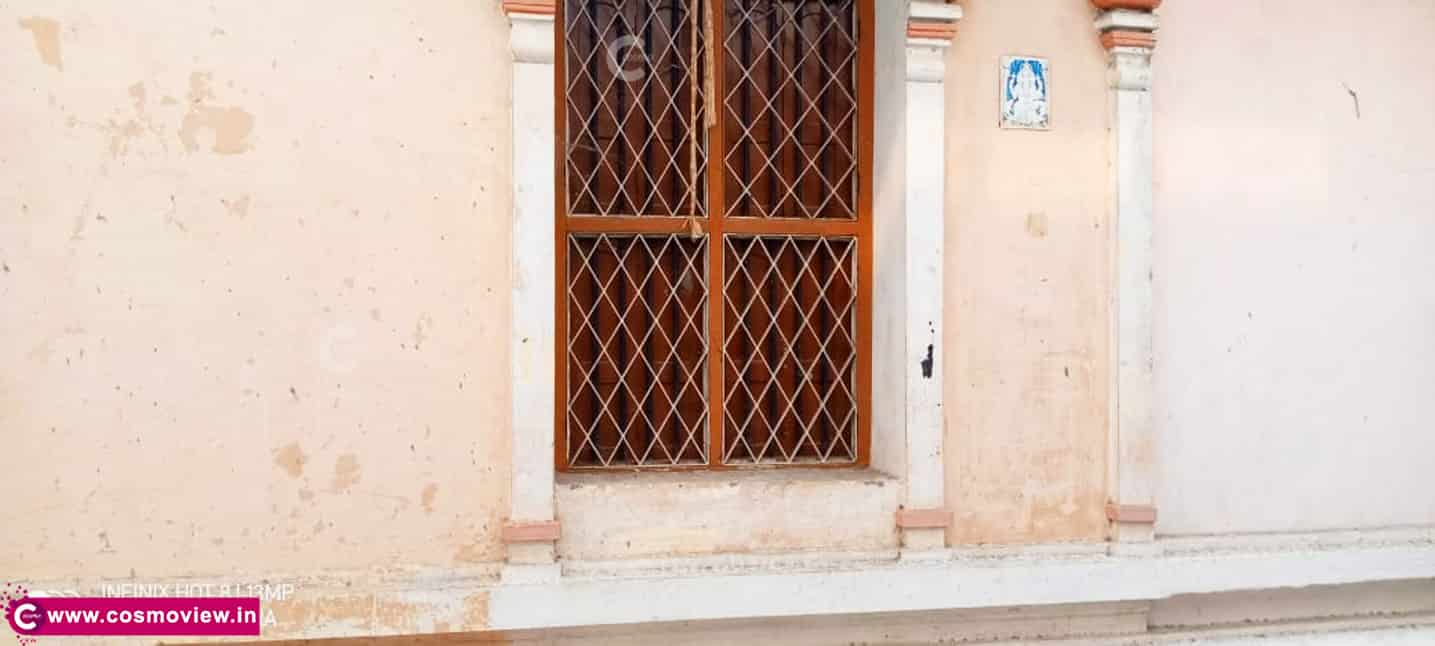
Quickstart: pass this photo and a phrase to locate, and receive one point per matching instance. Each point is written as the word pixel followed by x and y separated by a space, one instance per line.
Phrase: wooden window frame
pixel 715 226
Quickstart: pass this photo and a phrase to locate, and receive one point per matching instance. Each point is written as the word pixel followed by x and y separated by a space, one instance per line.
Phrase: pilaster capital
pixel 1127 30
pixel 932 23
pixel 931 26
pixel 531 30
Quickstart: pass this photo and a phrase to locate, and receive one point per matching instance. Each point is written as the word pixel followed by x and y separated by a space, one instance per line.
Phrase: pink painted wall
pixel 253 308
pixel 218 206
pixel 1295 223
pixel 1026 301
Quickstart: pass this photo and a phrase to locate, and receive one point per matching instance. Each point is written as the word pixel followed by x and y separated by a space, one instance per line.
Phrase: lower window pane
pixel 790 360
pixel 637 351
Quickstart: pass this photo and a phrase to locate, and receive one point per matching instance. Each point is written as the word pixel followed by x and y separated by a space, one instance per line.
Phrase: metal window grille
pixel 714 317
pixel 791 107
pixel 634 93
pixel 790 357
pixel 637 350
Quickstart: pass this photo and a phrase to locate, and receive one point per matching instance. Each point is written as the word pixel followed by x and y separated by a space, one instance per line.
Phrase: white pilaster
pixel 531 553
pixel 1127 36
pixel 930 28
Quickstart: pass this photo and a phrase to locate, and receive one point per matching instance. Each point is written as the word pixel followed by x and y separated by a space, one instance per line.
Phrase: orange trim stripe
pixel 539 532
pixel 1130 513
pixel 929 29
pixel 1137 5
pixel 923 518
pixel 533 7
pixel 1123 38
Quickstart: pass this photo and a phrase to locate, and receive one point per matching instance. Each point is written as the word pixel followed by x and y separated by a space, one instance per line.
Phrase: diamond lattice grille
pixel 637 350
pixel 790 356
pixel 735 337
pixel 631 77
pixel 791 108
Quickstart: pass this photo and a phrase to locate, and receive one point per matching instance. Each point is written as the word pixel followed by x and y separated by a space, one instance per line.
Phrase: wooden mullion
pixel 717 141
pixel 866 68
pixel 560 239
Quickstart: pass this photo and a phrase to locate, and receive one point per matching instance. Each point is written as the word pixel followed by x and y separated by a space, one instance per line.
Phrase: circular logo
pixel 25 616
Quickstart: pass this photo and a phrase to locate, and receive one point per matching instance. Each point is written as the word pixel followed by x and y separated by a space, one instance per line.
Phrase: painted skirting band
pixel 539 532
pixel 536 7
pixel 1130 513
pixel 923 518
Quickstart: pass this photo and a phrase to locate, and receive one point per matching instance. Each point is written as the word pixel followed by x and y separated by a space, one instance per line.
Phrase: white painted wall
pixel 1295 265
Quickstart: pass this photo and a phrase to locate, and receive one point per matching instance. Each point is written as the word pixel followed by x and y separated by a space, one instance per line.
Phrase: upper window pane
pixel 634 108
pixel 790 100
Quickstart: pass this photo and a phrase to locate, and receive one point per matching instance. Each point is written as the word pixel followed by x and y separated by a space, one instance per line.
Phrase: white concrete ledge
pixel 409 601
pixel 965 580
pixel 1377 631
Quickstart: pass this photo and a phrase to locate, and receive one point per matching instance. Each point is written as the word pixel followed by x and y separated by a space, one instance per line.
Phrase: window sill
pixel 644 514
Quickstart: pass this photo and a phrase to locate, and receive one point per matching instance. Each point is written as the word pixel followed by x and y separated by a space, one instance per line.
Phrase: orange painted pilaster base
pixel 540 532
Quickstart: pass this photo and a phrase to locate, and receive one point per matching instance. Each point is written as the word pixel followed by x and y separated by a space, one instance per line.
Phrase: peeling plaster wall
pixel 254 288
pixel 1295 250
pixel 1027 281
pixel 254 291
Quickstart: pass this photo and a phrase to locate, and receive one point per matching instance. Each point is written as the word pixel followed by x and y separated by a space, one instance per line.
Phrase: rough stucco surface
pixel 1294 229
pixel 624 516
pixel 1027 282
pixel 254 297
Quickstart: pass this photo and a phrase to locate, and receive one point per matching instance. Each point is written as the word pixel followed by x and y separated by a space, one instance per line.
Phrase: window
pixel 714 233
